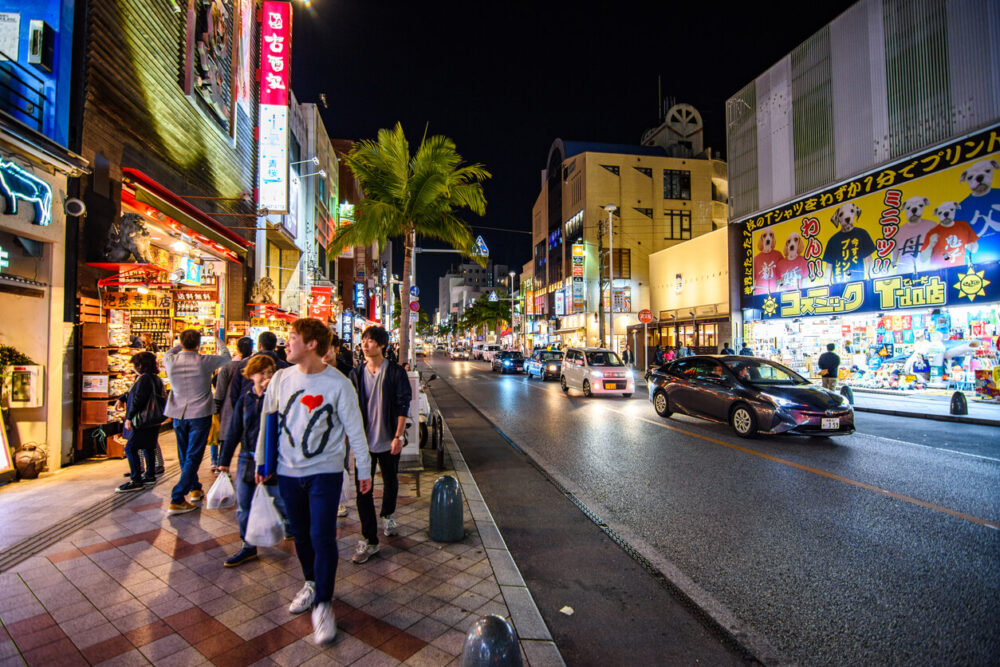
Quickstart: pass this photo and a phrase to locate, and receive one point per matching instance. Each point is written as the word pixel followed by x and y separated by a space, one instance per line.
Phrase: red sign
pixel 275 52
pixel 414 306
pixel 645 316
pixel 320 303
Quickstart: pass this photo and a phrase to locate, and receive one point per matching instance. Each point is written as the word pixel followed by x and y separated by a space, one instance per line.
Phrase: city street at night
pixel 863 549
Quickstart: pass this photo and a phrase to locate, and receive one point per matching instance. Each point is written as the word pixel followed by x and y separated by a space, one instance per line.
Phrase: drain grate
pixel 29 546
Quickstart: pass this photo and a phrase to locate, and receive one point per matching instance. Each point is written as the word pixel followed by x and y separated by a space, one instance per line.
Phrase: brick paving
pixel 140 587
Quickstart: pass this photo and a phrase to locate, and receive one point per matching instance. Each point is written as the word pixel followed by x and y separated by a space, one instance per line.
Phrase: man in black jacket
pixel 239 385
pixel 384 396
pixel 829 365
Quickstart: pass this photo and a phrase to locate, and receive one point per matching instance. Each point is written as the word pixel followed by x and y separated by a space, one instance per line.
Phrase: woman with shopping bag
pixel 243 429
pixel 144 404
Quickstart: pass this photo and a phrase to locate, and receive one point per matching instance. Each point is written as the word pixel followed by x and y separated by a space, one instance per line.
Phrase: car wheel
pixel 562 383
pixel 661 404
pixel 586 388
pixel 423 435
pixel 743 420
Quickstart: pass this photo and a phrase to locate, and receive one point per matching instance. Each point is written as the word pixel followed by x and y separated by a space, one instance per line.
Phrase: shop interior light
pixel 179 246
pixel 143 289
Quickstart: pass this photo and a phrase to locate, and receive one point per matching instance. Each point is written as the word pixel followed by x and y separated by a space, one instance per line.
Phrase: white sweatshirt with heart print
pixel 315 412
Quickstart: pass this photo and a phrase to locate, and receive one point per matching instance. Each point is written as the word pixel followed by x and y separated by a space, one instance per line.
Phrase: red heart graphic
pixel 312 402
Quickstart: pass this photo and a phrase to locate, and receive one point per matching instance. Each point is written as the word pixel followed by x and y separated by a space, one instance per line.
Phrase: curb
pixel 959 419
pixel 532 632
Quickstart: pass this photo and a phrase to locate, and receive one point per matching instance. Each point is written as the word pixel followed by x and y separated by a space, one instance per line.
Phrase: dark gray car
pixel 749 394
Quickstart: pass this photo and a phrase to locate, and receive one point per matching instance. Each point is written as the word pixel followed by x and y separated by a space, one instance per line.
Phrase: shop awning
pixel 148 191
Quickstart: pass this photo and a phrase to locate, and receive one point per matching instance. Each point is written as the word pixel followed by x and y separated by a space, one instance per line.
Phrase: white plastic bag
pixel 264 527
pixel 221 495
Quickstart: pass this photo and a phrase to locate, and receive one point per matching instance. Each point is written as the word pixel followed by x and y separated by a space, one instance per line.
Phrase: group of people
pixel 326 406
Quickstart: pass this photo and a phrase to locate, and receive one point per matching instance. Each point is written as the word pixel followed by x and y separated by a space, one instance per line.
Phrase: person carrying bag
pixel 144 405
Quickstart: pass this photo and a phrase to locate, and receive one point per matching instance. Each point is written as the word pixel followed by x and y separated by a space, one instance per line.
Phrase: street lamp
pixel 611 208
pixel 511 274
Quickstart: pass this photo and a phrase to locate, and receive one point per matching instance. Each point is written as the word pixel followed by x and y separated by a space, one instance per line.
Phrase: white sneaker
pixel 324 624
pixel 303 599
pixel 389 527
pixel 364 552
pixel 342 510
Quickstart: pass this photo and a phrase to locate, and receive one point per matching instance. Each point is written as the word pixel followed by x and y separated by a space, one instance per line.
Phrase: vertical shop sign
pixel 360 298
pixel 560 304
pixel 346 218
pixel 275 66
pixel 579 301
pixel 244 66
pixel 320 302
pixel 347 328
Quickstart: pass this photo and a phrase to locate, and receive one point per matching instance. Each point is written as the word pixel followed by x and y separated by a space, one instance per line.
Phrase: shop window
pixel 676 184
pixel 677 225
pixel 645 171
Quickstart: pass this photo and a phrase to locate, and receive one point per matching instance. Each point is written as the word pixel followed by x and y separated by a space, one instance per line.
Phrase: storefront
pixel 899 269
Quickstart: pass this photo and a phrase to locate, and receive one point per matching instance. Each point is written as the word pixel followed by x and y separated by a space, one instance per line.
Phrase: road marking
pixel 792 464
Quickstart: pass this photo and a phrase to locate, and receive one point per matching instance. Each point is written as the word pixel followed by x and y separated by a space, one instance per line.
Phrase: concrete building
pixel 663 194
pixel 464 283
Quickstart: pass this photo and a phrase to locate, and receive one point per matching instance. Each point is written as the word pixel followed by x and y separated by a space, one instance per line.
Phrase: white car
pixel 595 370
pixel 489 350
pixel 477 351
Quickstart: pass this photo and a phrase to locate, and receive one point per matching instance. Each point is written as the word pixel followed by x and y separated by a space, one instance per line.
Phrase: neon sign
pixel 18 184
pixel 275 66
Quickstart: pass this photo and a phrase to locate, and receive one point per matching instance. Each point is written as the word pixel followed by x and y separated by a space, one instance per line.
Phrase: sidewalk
pixel 926 407
pixel 135 586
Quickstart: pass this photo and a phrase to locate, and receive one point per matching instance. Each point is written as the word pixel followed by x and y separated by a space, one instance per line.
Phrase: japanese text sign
pixel 275 70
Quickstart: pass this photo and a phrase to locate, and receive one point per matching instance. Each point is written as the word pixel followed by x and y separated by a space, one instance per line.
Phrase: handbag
pixel 152 413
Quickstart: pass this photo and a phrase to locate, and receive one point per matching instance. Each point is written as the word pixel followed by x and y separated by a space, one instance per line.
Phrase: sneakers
pixel 304 599
pixel 389 526
pixel 148 481
pixel 181 507
pixel 364 552
pixel 130 486
pixel 342 510
pixel 197 496
pixel 247 553
pixel 324 625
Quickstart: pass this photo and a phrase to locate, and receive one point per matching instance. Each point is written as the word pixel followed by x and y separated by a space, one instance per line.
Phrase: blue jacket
pixel 396 394
pixel 243 427
pixel 239 385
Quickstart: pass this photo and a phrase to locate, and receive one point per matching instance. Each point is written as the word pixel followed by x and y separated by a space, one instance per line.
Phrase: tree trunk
pixel 404 299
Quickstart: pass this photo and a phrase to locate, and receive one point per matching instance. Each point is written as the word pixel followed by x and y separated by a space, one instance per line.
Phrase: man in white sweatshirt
pixel 316 407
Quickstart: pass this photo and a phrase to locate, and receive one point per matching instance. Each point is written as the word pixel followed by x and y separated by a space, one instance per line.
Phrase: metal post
pixel 611 208
pixel 411 352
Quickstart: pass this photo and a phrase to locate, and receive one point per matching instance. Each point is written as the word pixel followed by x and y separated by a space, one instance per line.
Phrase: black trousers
pixel 388 463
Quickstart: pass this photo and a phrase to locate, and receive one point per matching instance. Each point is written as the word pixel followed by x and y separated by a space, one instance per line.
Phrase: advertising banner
pixel 136 301
pixel 275 68
pixel 320 302
pixel 925 229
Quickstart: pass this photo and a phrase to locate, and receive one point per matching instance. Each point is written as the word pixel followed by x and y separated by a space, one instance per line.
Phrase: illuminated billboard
pixel 275 68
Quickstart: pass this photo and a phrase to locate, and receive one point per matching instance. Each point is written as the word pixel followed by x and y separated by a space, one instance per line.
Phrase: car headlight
pixel 552 367
pixel 779 401
pixel 506 362
pixel 596 374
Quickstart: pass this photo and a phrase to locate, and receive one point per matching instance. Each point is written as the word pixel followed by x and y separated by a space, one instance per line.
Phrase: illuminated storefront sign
pixel 360 298
pixel 320 302
pixel 18 185
pixel 579 303
pixel 275 66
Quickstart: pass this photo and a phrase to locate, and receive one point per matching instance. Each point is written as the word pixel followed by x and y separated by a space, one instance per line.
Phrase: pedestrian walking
pixel 243 431
pixel 316 408
pixel 745 351
pixel 142 438
pixel 384 396
pixel 726 349
pixel 829 365
pixel 266 345
pixel 683 351
pixel 190 406
pixel 660 354
pixel 223 408
pixel 627 357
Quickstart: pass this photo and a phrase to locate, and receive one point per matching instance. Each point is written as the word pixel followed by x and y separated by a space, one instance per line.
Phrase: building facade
pixel 875 231
pixel 465 283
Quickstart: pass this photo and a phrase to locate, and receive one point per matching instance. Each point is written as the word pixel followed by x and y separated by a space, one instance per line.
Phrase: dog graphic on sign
pixel 16 183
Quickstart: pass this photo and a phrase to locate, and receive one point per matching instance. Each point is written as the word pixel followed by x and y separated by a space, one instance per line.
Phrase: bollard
pixel 847 393
pixel 491 641
pixel 959 406
pixel 447 522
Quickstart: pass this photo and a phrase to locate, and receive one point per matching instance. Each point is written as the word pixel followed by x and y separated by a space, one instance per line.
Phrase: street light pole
pixel 511 274
pixel 611 208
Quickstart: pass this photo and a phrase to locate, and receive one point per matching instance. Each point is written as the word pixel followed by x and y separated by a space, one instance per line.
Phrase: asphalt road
pixel 877 548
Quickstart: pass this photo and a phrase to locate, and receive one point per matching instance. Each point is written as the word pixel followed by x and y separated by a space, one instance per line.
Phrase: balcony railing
pixel 22 93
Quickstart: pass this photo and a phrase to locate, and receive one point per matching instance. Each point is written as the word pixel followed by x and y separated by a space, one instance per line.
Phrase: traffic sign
pixel 645 316
pixel 414 291
pixel 480 248
pixel 414 306
pixel 493 296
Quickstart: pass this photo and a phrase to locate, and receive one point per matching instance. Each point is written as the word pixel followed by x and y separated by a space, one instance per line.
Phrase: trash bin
pixel 491 641
pixel 959 405
pixel 447 521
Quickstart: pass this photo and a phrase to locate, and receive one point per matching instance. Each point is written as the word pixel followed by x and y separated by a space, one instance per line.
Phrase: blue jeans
pixel 192 435
pixel 312 508
pixel 214 451
pixel 132 453
pixel 244 495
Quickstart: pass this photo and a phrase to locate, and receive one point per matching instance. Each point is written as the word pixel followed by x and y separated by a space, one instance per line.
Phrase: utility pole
pixel 600 281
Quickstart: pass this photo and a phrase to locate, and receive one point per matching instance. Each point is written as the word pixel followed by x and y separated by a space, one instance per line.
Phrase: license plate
pixel 831 424
pixel 610 385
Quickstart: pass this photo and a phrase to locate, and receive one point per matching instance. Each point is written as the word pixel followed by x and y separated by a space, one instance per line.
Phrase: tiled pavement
pixel 140 587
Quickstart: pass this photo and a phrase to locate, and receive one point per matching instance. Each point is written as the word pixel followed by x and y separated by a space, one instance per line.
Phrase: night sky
pixel 504 79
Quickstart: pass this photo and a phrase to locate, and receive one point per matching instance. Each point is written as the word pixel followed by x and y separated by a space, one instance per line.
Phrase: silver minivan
pixel 595 370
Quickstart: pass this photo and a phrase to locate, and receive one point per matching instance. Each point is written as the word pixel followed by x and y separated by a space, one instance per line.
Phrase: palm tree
pixel 409 196
pixel 488 314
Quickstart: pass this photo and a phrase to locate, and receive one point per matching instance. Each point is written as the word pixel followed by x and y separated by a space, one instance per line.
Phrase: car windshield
pixel 603 358
pixel 550 356
pixel 757 371
pixel 512 355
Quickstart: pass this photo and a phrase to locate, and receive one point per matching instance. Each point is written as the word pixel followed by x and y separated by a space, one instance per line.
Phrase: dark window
pixel 623 264
pixel 540 263
pixel 645 171
pixel 677 225
pixel 613 168
pixel 648 212
pixel 676 184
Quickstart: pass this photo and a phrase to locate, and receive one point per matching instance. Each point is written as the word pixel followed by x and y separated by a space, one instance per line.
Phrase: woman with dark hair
pixel 143 438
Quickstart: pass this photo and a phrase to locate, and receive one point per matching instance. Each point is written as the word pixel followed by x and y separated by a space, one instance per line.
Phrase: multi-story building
pixel 466 282
pixel 864 195
pixel 662 194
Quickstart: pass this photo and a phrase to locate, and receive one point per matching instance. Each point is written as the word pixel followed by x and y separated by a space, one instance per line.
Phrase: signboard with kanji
pixel 136 301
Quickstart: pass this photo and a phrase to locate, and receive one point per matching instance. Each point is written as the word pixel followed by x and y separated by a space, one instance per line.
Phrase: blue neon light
pixel 17 183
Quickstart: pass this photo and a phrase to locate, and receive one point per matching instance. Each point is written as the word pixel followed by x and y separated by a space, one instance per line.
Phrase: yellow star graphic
pixel 971 284
pixel 770 306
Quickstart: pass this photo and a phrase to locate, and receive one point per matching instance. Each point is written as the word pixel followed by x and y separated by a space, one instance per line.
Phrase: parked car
pixel 751 395
pixel 477 351
pixel 595 370
pixel 459 354
pixel 508 361
pixel 489 350
pixel 544 364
